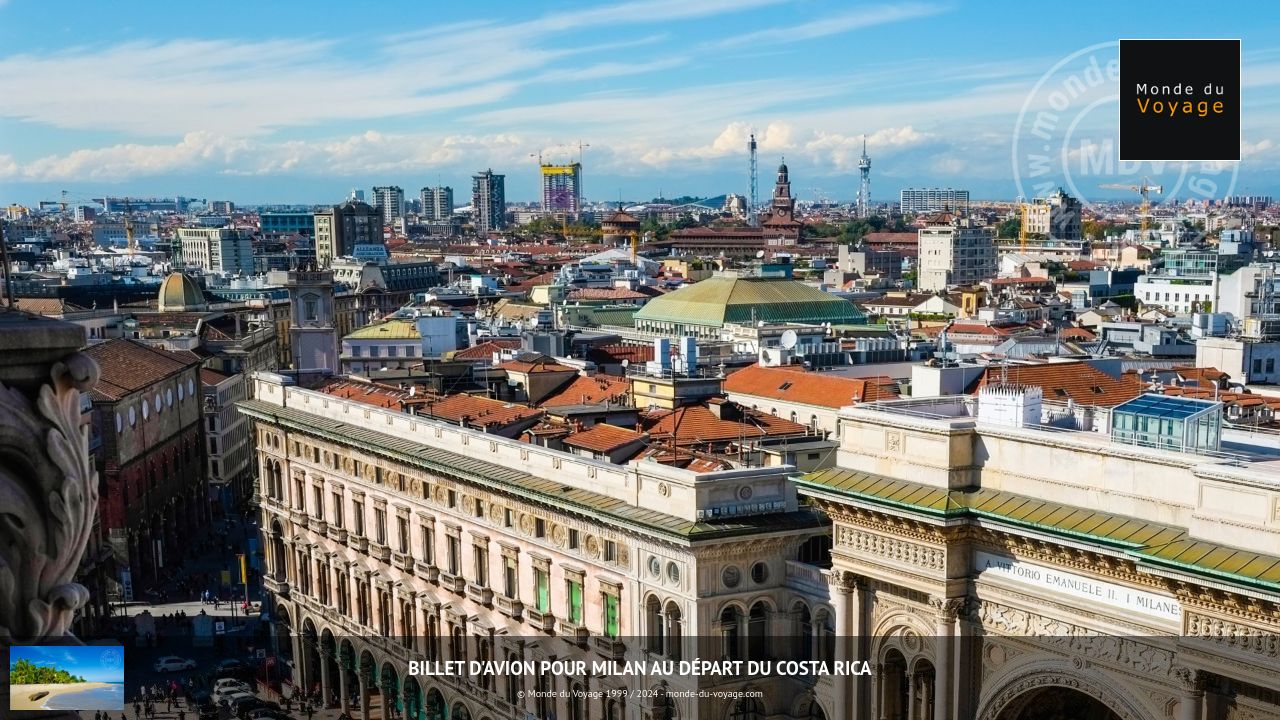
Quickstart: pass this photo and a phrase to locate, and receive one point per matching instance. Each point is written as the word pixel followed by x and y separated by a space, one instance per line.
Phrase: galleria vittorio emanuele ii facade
pixel 960 561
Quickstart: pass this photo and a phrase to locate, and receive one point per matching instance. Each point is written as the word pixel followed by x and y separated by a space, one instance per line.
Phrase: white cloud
pixel 858 19
pixel 230 87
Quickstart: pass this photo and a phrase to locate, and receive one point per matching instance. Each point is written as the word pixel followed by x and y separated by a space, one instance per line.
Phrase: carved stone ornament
pixel 48 484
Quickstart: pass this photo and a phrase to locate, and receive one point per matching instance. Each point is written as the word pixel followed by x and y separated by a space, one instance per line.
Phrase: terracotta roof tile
pixel 129 366
pixel 698 425
pixel 543 364
pixel 486 349
pixel 365 392
pixel 808 388
pixel 478 412
pixel 1078 381
pixel 604 438
pixel 583 390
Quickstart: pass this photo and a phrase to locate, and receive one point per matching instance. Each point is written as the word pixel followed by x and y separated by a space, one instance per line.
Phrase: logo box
pixel 1180 100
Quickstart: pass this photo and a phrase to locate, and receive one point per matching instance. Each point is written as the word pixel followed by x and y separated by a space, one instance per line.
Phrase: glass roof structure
pixel 1176 423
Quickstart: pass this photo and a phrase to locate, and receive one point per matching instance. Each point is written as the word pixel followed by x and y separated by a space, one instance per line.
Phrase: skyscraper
pixel 489 201
pixel 341 228
pixel 389 199
pixel 562 188
pixel 437 202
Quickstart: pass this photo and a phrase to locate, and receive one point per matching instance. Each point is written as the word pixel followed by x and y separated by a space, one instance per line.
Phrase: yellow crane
pixel 1144 211
pixel 1022 227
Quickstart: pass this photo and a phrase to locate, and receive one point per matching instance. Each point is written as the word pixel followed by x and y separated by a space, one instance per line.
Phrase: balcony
pixel 455 584
pixel 574 633
pixel 480 594
pixel 806 578
pixel 545 622
pixel 359 543
pixel 510 607
pixel 276 583
pixel 609 648
pixel 430 573
pixel 380 551
pixel 319 526
pixel 402 561
pixel 337 533
pixel 298 516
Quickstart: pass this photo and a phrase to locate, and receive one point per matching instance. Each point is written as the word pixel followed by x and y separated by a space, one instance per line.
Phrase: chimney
pixel 1010 405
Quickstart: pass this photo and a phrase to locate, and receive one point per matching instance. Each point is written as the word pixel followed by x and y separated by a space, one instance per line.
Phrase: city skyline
pixel 278 107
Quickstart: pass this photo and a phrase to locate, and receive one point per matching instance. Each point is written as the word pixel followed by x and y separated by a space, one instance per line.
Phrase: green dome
pixel 728 298
pixel 179 293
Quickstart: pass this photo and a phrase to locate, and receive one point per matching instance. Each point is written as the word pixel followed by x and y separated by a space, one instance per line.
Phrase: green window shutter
pixel 544 591
pixel 575 603
pixel 611 615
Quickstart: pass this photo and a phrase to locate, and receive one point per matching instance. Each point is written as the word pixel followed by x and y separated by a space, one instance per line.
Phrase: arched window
pixel 824 637
pixel 654 622
pixel 746 709
pixel 731 633
pixel 664 708
pixel 794 416
pixel 577 710
pixel 460 712
pixel 675 632
pixel 803 631
pixel 758 631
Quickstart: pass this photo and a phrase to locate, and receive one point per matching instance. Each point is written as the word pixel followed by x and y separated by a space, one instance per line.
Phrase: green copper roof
pixel 394 329
pixel 522 484
pixel 1143 541
pixel 728 299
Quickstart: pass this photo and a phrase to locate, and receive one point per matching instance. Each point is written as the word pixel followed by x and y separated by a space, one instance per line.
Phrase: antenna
pixel 753 203
pixel 864 188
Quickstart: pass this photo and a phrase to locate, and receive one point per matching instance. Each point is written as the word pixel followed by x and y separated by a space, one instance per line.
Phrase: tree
pixel 24 672
pixel 1009 228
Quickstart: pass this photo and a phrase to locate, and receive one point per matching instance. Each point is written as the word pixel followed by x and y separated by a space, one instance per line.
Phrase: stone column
pixel 859 685
pixel 299 657
pixel 1191 704
pixel 840 590
pixel 344 692
pixel 324 672
pixel 364 692
pixel 913 697
pixel 946 609
pixel 882 692
pixel 52 491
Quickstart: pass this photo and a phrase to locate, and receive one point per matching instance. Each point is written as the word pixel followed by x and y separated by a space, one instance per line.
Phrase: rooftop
pixel 128 366
pixel 808 388
pixel 730 298
pixel 390 329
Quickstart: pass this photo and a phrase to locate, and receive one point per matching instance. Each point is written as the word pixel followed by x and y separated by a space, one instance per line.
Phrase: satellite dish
pixel 789 339
pixel 759 253
pixel 626 363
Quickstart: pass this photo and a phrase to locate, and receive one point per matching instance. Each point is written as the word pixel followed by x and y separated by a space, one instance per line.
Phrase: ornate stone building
pixel 392 537
pixel 993 568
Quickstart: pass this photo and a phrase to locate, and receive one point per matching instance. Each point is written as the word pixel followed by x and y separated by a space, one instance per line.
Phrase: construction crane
pixel 1022 227
pixel 1144 211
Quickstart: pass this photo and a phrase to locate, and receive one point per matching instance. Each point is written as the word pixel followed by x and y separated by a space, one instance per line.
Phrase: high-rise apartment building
pixel 1055 218
pixel 340 229
pixel 226 250
pixel 437 203
pixel 955 250
pixel 922 200
pixel 562 188
pixel 489 201
pixel 389 200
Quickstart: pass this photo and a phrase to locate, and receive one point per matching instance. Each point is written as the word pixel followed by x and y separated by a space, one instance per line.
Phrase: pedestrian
pixel 311 710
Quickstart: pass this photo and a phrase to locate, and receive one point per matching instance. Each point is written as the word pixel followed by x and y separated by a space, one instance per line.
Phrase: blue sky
pixel 93 663
pixel 301 101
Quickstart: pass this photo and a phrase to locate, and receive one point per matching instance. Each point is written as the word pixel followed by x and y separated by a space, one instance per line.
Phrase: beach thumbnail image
pixel 63 677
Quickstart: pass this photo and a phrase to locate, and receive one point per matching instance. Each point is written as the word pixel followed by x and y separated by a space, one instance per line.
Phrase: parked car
pixel 228 682
pixel 206 709
pixel 226 697
pixel 173 663
pixel 243 706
